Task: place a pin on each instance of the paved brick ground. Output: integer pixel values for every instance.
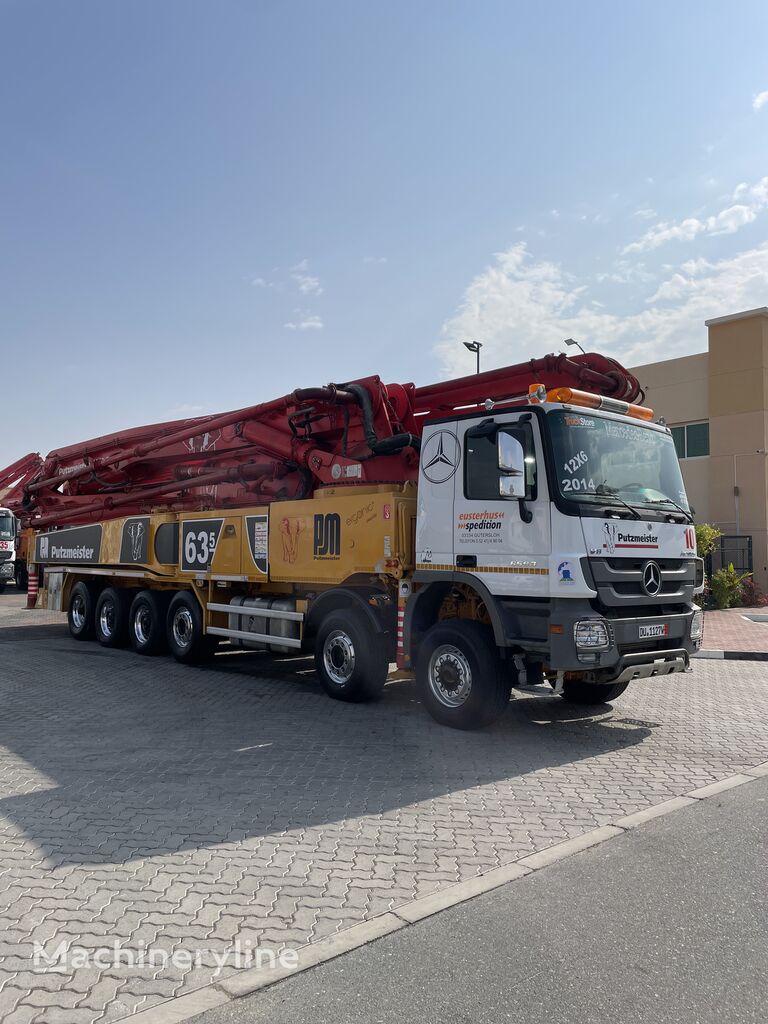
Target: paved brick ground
(186, 808)
(731, 631)
(13, 611)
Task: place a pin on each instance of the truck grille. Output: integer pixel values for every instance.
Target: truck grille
(5, 555)
(619, 581)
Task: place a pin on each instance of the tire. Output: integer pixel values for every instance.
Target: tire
(146, 622)
(81, 612)
(22, 577)
(2, 587)
(111, 617)
(184, 627)
(350, 658)
(461, 677)
(576, 692)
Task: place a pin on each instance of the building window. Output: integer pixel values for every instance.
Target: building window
(691, 440)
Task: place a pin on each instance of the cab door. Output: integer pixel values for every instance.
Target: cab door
(440, 465)
(505, 542)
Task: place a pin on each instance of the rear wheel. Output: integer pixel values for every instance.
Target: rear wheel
(577, 692)
(460, 675)
(186, 640)
(111, 618)
(146, 622)
(80, 613)
(350, 657)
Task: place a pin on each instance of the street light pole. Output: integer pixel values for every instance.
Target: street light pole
(474, 346)
(570, 341)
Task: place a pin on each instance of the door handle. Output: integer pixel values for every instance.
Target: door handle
(466, 561)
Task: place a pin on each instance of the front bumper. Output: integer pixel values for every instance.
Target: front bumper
(639, 667)
(626, 656)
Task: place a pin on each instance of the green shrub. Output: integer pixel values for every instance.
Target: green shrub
(706, 538)
(726, 586)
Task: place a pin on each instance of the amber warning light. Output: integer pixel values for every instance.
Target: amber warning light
(570, 396)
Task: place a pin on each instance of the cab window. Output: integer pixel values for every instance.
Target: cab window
(481, 465)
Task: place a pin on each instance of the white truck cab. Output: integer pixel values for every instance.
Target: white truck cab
(8, 541)
(566, 520)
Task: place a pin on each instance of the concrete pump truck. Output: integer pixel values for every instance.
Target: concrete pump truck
(523, 526)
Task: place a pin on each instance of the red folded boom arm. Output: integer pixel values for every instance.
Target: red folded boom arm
(362, 431)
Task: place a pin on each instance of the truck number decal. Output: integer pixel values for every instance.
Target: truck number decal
(199, 540)
(578, 484)
(579, 459)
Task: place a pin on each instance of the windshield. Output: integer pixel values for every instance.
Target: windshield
(602, 461)
(7, 526)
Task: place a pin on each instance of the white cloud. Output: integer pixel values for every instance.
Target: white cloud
(754, 198)
(759, 100)
(374, 259)
(646, 213)
(520, 308)
(305, 322)
(307, 283)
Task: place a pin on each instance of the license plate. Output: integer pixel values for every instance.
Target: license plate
(647, 632)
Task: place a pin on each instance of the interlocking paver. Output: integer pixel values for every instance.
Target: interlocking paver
(184, 809)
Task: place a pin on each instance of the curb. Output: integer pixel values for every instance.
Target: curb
(732, 655)
(246, 982)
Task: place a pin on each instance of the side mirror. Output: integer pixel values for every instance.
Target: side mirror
(511, 458)
(511, 487)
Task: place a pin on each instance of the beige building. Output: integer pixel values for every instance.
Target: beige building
(716, 403)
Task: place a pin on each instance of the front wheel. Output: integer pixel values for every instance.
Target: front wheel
(350, 657)
(22, 578)
(577, 692)
(460, 675)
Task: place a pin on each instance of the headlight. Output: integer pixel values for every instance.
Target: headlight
(697, 625)
(591, 634)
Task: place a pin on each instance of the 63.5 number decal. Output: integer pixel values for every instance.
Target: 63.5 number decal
(199, 538)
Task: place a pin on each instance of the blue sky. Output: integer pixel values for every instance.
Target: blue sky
(203, 205)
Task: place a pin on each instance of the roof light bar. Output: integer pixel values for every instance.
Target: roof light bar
(570, 396)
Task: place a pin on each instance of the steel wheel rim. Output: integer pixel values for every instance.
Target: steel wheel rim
(339, 657)
(78, 612)
(449, 676)
(107, 617)
(142, 624)
(183, 627)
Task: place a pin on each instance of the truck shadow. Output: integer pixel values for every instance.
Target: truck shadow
(113, 757)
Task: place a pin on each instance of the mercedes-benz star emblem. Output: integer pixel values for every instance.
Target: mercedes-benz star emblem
(440, 456)
(651, 579)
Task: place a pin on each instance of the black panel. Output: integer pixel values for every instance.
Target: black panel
(134, 545)
(80, 545)
(167, 543)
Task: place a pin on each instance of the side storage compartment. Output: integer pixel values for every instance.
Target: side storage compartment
(265, 625)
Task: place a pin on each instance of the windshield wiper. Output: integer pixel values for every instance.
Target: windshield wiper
(603, 491)
(670, 501)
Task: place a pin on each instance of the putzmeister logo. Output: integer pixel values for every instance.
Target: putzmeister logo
(440, 456)
(327, 536)
(614, 538)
